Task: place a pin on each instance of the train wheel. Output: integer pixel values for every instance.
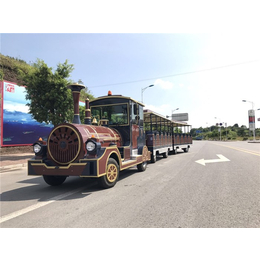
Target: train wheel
(142, 167)
(153, 158)
(186, 149)
(54, 180)
(165, 155)
(112, 173)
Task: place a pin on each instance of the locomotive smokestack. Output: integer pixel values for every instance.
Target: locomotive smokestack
(76, 88)
(87, 120)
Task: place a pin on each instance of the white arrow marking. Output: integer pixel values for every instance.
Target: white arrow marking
(220, 156)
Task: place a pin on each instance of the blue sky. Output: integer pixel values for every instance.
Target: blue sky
(127, 62)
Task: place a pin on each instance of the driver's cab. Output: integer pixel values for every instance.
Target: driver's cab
(123, 114)
(110, 115)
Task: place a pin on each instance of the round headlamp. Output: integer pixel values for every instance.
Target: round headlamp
(90, 146)
(37, 148)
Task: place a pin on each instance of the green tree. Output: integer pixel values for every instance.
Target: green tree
(232, 135)
(1, 74)
(50, 99)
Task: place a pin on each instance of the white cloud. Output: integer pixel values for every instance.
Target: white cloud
(163, 84)
(164, 109)
(13, 106)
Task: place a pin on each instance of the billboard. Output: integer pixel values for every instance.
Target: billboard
(251, 119)
(17, 125)
(180, 117)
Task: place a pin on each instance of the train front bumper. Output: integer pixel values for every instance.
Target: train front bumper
(83, 168)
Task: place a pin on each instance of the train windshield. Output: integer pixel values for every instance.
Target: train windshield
(110, 115)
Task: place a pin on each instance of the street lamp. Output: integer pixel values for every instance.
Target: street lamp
(220, 127)
(173, 111)
(249, 102)
(253, 129)
(143, 89)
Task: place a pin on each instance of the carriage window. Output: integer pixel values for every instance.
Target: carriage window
(110, 115)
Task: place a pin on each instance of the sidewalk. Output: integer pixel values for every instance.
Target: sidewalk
(9, 161)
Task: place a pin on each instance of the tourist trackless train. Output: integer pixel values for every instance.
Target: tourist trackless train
(117, 134)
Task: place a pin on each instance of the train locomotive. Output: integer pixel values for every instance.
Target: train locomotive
(112, 138)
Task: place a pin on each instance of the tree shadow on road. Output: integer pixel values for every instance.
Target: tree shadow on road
(37, 189)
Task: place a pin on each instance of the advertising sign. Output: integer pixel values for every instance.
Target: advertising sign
(251, 118)
(17, 125)
(180, 117)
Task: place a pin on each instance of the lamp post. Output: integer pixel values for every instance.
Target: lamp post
(173, 111)
(253, 128)
(219, 128)
(143, 89)
(249, 102)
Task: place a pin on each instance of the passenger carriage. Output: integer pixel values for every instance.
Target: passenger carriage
(164, 136)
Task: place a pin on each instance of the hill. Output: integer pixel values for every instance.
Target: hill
(10, 67)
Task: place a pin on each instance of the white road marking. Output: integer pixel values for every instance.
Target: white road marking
(221, 159)
(38, 205)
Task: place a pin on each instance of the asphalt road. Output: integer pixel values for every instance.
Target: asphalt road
(177, 192)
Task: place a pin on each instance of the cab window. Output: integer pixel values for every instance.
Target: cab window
(110, 115)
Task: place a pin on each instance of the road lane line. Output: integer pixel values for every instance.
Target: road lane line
(240, 149)
(38, 205)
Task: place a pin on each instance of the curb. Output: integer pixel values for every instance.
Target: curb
(14, 161)
(11, 167)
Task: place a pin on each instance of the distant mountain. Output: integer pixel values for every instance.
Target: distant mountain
(20, 117)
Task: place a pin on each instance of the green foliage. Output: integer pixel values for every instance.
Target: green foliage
(10, 69)
(232, 135)
(1, 74)
(177, 130)
(227, 133)
(50, 99)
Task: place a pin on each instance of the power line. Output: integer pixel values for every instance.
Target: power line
(175, 75)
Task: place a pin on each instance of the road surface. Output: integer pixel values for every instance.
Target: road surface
(176, 192)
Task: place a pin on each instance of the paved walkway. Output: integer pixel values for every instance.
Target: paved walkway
(8, 161)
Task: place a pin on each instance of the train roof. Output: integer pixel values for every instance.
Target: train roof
(119, 97)
(157, 118)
